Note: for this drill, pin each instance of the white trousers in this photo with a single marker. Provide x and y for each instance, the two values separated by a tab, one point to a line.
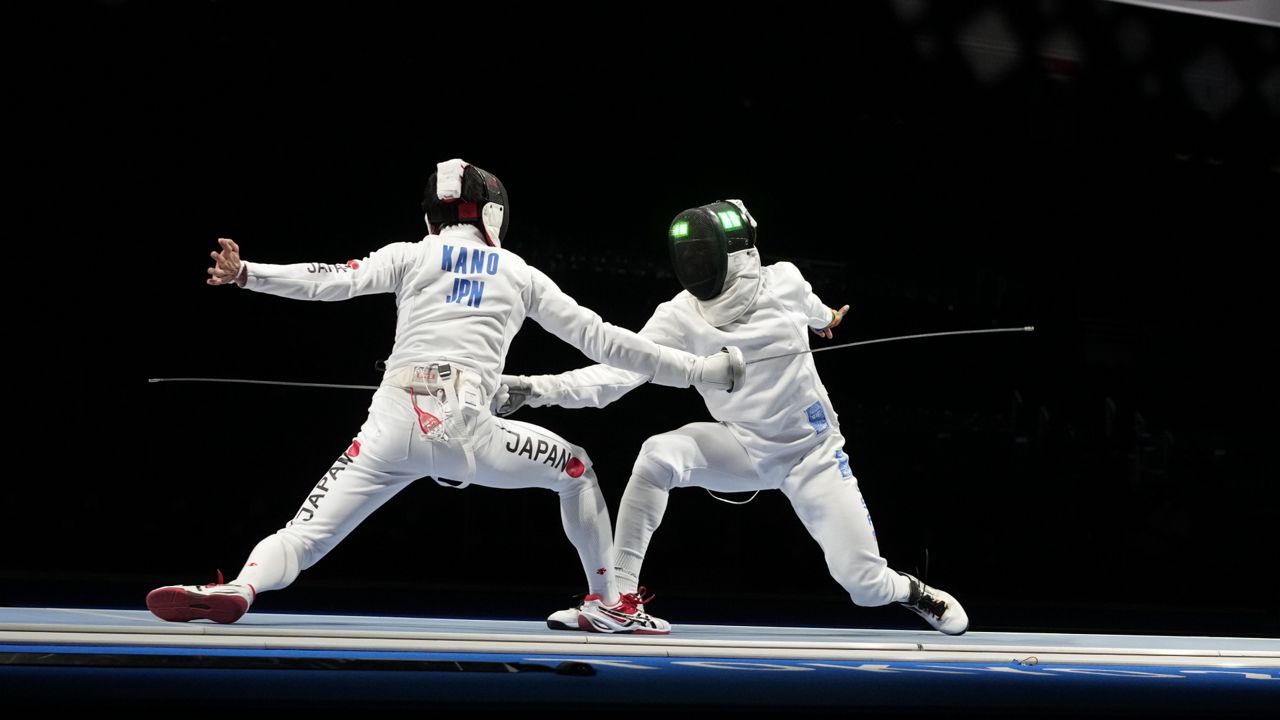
820	486
390	452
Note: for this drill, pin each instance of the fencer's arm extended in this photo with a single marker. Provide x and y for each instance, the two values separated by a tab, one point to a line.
599	385
563	317
594	386
378	273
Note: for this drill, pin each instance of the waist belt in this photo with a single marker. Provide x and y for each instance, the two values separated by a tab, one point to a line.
445	398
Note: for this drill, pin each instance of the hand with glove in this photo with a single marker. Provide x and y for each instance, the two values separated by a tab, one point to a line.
725	370
513	392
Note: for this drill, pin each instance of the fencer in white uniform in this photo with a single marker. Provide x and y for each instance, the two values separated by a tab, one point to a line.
778	431
461	297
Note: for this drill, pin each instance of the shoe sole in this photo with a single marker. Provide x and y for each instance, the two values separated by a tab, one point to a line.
178	605
557	625
952	633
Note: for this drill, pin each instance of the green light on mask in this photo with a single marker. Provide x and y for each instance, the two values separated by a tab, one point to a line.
729	220
680	229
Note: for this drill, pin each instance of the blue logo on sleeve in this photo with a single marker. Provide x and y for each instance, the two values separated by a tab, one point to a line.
869	523
845	472
817	418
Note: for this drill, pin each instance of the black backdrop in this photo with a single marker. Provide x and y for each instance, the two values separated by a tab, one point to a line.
937	166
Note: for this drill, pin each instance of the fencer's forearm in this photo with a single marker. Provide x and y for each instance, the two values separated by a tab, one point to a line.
594	386
303	281
817	313
623	349
563	317
378	273
798	293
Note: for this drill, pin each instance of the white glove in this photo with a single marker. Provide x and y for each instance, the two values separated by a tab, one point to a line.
513	392
725	370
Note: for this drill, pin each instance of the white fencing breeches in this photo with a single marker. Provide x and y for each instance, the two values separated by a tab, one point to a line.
390	452
820	487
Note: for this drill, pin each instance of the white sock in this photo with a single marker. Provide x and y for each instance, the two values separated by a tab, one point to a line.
901	586
274	564
586	524
644	502
626	563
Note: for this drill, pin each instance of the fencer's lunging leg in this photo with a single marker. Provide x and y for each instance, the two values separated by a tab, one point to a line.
825	496
274	563
514	454
370	472
644	502
696	455
586	523
348	493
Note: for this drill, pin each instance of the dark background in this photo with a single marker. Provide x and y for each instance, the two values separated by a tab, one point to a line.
1107	173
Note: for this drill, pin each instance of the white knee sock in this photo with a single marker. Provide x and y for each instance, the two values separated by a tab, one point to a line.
274	563
586	524
643	505
901	587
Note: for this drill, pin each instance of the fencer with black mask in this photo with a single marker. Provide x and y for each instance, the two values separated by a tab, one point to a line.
777	431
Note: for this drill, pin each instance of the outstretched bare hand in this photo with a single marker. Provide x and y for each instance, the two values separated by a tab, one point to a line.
226	264
836	317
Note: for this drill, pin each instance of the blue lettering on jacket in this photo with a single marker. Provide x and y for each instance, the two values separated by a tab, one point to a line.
466	290
481	261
